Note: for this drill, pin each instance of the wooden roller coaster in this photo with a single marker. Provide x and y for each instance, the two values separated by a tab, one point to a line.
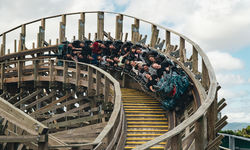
80	106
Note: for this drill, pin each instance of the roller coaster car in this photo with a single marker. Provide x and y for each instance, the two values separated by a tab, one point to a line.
132	74
118	68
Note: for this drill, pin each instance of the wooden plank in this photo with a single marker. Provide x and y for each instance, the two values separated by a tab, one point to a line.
221	107
154	36
76	121
126	37
221	101
205	76
19	72
176	142
15	96
106	89
168	38
199	133
100	25
118	27
135	31
35	74
182	47
3	47
21	119
51	105
22	138
211	122
58	116
213	143
2	75
195	61
65	72
98	82
62	29
81	27
90	80
28	97
51	72
22	37
40	100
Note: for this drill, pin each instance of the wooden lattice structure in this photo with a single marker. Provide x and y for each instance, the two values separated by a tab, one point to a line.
38	97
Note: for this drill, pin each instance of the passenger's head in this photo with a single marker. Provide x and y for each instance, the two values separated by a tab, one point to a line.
151	58
99	58
81	44
139	51
156	66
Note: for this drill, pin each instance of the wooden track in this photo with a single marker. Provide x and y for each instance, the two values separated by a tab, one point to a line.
20	67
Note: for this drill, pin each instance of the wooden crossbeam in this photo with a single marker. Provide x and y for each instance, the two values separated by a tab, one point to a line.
15	96
58	116
28	97
77	121
23	138
51	105
212	144
40	100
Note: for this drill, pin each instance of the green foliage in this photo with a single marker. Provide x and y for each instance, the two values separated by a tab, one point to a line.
245	132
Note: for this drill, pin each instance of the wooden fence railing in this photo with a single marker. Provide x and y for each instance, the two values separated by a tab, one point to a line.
181	49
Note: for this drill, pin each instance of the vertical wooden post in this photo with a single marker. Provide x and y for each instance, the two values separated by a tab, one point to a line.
135	31
3	46
44	145
51	73
15	46
22	37
182	46
100	25
65	72
106	89
199	134
154	36
195	61
211	121
62	29
168	38
118	26
81	27
2	75
89	36
41	34
205	77
20	72
98	82
77	75
36	68
176	142
90	80
126	37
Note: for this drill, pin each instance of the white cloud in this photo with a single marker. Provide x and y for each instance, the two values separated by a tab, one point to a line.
249	80
238	117
222	61
230	79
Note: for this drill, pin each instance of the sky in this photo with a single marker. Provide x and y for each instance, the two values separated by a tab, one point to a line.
220	27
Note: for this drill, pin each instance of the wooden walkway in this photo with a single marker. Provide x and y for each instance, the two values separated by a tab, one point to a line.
145	118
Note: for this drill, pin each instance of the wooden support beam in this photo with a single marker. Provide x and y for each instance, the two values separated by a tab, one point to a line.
106	89
199	134
220	124
36	69
154	36
3	47
211	119
58	116
2	75
21	119
16	96
62	29
77	121
195	61
213	144
23	138
221	101
176	142
221	107
22	37
15	46
51	73
40	100
126	37
81	27
168	38
205	76
90	80
98	82
118	27
19	72
135	31
29	97
77	75
65	72
48	107
181	51
100	25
